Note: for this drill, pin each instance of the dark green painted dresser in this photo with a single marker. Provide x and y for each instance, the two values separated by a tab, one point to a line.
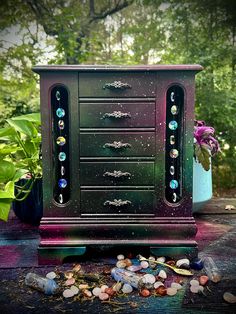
117	158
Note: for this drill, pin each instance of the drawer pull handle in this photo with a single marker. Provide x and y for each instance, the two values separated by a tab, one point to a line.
117	145
117	203
116	115
117	174
116	85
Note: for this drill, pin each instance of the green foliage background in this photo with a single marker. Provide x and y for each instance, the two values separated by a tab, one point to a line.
126	32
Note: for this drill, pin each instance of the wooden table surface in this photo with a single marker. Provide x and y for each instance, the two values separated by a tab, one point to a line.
216	237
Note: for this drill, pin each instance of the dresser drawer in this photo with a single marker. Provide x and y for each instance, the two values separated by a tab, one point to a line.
116	173
117	202
117	115
117	144
117	84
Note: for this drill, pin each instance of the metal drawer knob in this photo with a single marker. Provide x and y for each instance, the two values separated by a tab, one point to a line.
117	145
116	115
117	174
117	203
117	85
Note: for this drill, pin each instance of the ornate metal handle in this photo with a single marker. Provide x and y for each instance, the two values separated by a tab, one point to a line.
117	145
116	115
117	174
117	203
116	85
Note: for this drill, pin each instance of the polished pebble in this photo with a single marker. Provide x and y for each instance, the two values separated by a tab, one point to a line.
157	284
194	289
74	289
134	268
127	288
120	257
121	264
161	259
103	296
96	291
149	278
197	264
68	293
171	291
68	274
128	262
77	268
103	288
182	261
87	293
145	293
110	291
51	275
176	285
194	282
83	286
161	290
162	274
229	297
70	281
144	264
203	280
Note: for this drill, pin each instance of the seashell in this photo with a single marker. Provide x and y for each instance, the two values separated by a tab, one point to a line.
127	288
110	291
51	275
87	293
171	291
144	264
83	286
68	293
176	286
182	261
203	280
77	268
229	297
145	293
70	282
162	274
149	278
96	291
157	284
120	257
74	289
103	296
103	288
68	274
161	290
127	262
121	264
117	286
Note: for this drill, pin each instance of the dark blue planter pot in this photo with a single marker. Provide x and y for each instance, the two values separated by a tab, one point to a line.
31	209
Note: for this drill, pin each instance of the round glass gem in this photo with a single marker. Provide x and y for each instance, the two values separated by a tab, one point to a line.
174	109
174	197
60	112
62	183
58	95
172	140
173	125
63	170
61	141
61	124
174	184
172	170
62	156
174	153
60	198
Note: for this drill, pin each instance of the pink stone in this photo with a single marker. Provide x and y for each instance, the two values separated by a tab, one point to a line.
203	280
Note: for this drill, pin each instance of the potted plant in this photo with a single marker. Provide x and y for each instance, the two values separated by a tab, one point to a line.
205	147
20	168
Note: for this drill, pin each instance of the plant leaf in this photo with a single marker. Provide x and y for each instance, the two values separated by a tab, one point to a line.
203	156
33	117
23	126
7	171
7	132
19	173
5	205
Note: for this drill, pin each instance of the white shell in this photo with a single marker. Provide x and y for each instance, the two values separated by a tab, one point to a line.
182	261
103	296
121	264
120	257
152	258
158	284
149	278
51	275
74	289
127	288
194	282
144	264
176	285
162	274
171	291
229	297
103	288
161	259
68	293
96	291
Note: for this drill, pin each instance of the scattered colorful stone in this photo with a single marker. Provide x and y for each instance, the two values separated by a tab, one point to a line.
51	275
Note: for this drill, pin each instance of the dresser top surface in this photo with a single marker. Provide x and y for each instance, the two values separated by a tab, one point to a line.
121	68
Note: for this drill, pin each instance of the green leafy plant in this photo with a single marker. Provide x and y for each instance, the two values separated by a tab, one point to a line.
19	157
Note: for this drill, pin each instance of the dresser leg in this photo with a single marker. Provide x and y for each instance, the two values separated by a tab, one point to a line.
190	252
56	255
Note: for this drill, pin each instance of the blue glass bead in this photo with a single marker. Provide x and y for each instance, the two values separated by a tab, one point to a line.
174	184
173	125
197	264
61	124
62	156
60	112
62	183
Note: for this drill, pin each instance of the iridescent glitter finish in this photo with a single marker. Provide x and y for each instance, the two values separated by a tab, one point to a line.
174	110
174	153
61	141
61	124
174	184
60	112
173	125
62	156
62	183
